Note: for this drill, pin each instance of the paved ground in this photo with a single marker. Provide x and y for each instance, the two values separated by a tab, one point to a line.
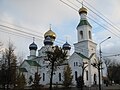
113	87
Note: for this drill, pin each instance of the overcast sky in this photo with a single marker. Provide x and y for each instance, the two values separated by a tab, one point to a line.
37	15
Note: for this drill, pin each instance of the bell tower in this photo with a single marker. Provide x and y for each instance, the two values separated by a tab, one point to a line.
85	45
84	28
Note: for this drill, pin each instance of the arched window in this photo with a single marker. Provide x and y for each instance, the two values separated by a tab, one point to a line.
86	75
75	75
95	80
74	63
59	76
89	34
43	76
81	34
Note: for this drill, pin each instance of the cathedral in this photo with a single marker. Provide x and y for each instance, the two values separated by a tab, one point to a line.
83	56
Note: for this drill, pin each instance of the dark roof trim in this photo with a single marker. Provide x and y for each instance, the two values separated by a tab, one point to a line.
23	70
32	63
81	55
84	22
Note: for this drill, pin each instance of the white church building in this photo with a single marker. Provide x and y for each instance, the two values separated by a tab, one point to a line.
84	54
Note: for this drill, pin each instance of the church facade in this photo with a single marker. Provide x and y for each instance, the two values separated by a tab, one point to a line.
83	56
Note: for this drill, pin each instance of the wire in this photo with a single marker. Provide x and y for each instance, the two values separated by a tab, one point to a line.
104	27
21	27
63	41
42	37
101	14
17	33
91	18
14	33
112	55
100	17
19	30
24	33
68	5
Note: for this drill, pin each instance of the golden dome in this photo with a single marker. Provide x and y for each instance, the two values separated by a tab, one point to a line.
83	10
50	33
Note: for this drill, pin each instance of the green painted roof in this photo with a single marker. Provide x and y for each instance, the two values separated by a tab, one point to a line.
32	63
84	22
81	55
23	69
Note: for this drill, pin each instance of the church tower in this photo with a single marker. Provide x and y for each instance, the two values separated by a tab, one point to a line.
85	45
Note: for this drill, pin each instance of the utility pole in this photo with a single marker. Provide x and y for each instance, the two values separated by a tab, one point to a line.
100	63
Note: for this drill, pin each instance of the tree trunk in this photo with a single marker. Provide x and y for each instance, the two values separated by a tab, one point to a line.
99	77
82	78
51	78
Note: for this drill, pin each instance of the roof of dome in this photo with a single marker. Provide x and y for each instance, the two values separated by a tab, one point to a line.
48	41
83	10
66	46
33	46
50	33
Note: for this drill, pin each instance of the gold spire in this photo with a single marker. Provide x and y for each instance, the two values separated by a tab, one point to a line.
83	9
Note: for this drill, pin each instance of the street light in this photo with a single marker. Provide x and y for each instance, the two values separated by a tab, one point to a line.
100	61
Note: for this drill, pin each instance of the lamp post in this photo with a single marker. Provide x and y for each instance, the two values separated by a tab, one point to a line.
100	62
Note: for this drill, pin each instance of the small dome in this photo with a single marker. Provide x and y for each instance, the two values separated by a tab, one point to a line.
50	34
83	10
66	46
48	41
33	46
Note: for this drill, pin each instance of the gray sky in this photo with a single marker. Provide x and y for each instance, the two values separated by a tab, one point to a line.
37	15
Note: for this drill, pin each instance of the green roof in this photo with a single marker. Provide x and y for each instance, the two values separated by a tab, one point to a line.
23	69
81	55
32	63
84	22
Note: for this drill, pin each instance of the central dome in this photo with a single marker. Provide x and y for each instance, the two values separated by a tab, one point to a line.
50	34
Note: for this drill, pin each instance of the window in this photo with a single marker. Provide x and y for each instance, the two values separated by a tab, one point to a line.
59	76
81	34
95	80
43	76
89	34
86	75
75	75
76	63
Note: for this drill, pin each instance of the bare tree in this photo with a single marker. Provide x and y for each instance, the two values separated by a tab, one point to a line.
113	72
108	62
56	57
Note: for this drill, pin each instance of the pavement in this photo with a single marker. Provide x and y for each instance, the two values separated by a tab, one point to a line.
113	87
110	87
